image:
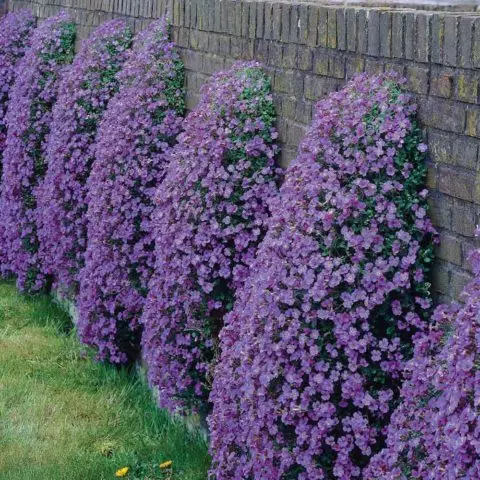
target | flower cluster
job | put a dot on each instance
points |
(435, 432)
(84, 93)
(138, 128)
(313, 352)
(15, 31)
(212, 213)
(28, 118)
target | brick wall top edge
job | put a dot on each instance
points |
(443, 38)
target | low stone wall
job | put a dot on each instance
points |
(311, 49)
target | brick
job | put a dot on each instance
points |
(440, 146)
(456, 183)
(458, 281)
(198, 40)
(304, 58)
(432, 176)
(261, 50)
(285, 24)
(202, 15)
(282, 126)
(373, 66)
(260, 10)
(354, 65)
(443, 114)
(422, 41)
(224, 45)
(441, 210)
(465, 153)
(268, 19)
(231, 17)
(473, 121)
(317, 87)
(450, 41)
(351, 30)
(438, 34)
(332, 28)
(303, 24)
(467, 87)
(295, 134)
(449, 249)
(341, 29)
(418, 79)
(288, 105)
(217, 16)
(237, 30)
(373, 34)
(289, 56)
(397, 34)
(441, 83)
(303, 111)
(192, 60)
(465, 36)
(441, 278)
(276, 21)
(409, 35)
(476, 44)
(245, 19)
(287, 154)
(322, 27)
(275, 54)
(294, 24)
(465, 218)
(362, 39)
(336, 66)
(312, 36)
(386, 34)
(183, 38)
(212, 64)
(288, 81)
(320, 62)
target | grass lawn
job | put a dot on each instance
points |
(63, 416)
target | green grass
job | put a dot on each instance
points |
(63, 416)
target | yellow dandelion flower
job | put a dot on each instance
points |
(166, 464)
(122, 472)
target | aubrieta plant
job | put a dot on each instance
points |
(435, 432)
(313, 352)
(138, 128)
(84, 94)
(211, 215)
(15, 31)
(28, 118)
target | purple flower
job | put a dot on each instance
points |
(135, 134)
(314, 349)
(211, 215)
(435, 432)
(28, 119)
(15, 32)
(84, 94)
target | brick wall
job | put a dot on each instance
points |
(310, 50)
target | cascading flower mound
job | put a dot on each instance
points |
(211, 213)
(15, 31)
(28, 118)
(139, 126)
(83, 97)
(313, 352)
(435, 432)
